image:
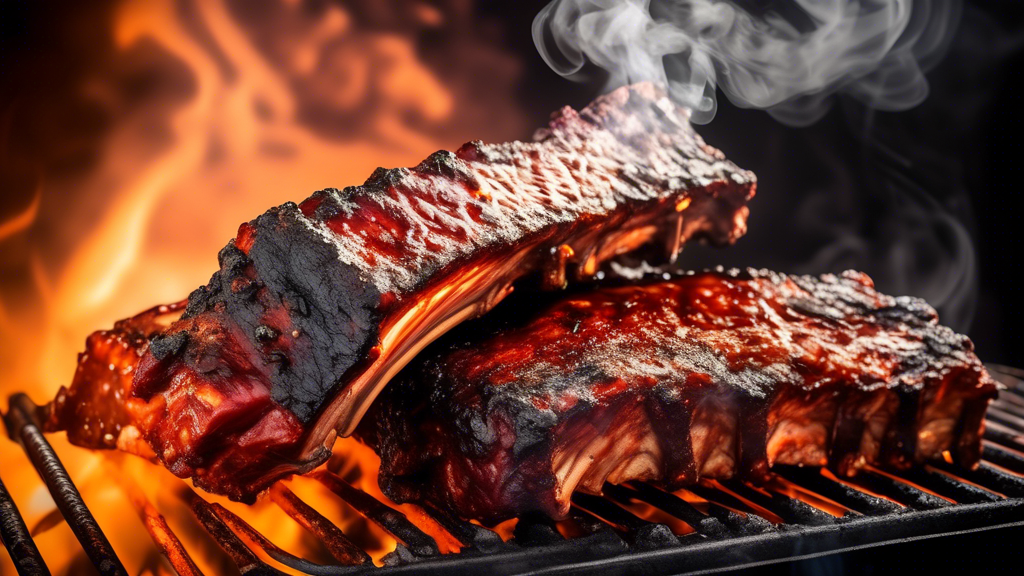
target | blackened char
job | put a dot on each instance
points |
(711, 375)
(288, 269)
(317, 305)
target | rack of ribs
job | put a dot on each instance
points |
(709, 375)
(316, 306)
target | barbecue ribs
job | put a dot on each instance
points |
(707, 375)
(317, 305)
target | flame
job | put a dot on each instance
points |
(757, 509)
(653, 514)
(359, 464)
(787, 488)
(831, 476)
(22, 221)
(694, 500)
(896, 478)
(254, 106)
(504, 529)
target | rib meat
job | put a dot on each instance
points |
(710, 375)
(317, 305)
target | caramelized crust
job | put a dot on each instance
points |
(93, 409)
(316, 306)
(708, 375)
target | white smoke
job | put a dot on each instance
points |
(788, 58)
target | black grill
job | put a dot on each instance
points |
(734, 524)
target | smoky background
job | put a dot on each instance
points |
(923, 200)
(913, 185)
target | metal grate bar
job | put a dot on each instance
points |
(901, 492)
(717, 556)
(731, 511)
(721, 501)
(391, 520)
(995, 432)
(586, 521)
(813, 480)
(643, 534)
(243, 529)
(626, 493)
(161, 534)
(244, 558)
(704, 524)
(1003, 417)
(735, 508)
(988, 477)
(339, 545)
(1013, 378)
(473, 535)
(23, 428)
(1011, 398)
(651, 534)
(1005, 458)
(1010, 403)
(609, 511)
(16, 538)
(791, 510)
(949, 486)
(536, 529)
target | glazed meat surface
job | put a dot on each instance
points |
(708, 375)
(317, 305)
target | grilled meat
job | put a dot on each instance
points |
(317, 305)
(709, 375)
(93, 408)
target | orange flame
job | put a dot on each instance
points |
(252, 108)
(652, 514)
(22, 221)
(783, 486)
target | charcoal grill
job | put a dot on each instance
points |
(731, 525)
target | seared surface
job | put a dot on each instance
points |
(708, 375)
(317, 305)
(93, 409)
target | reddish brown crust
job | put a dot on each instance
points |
(769, 368)
(316, 305)
(92, 409)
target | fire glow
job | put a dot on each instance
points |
(251, 110)
(172, 180)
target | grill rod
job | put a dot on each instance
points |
(161, 534)
(24, 429)
(339, 545)
(230, 534)
(17, 539)
(391, 520)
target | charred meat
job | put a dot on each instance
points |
(317, 305)
(707, 375)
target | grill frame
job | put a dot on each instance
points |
(748, 551)
(723, 539)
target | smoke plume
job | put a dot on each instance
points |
(785, 57)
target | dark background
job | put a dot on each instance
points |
(956, 155)
(887, 192)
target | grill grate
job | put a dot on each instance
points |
(730, 523)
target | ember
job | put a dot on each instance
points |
(152, 110)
